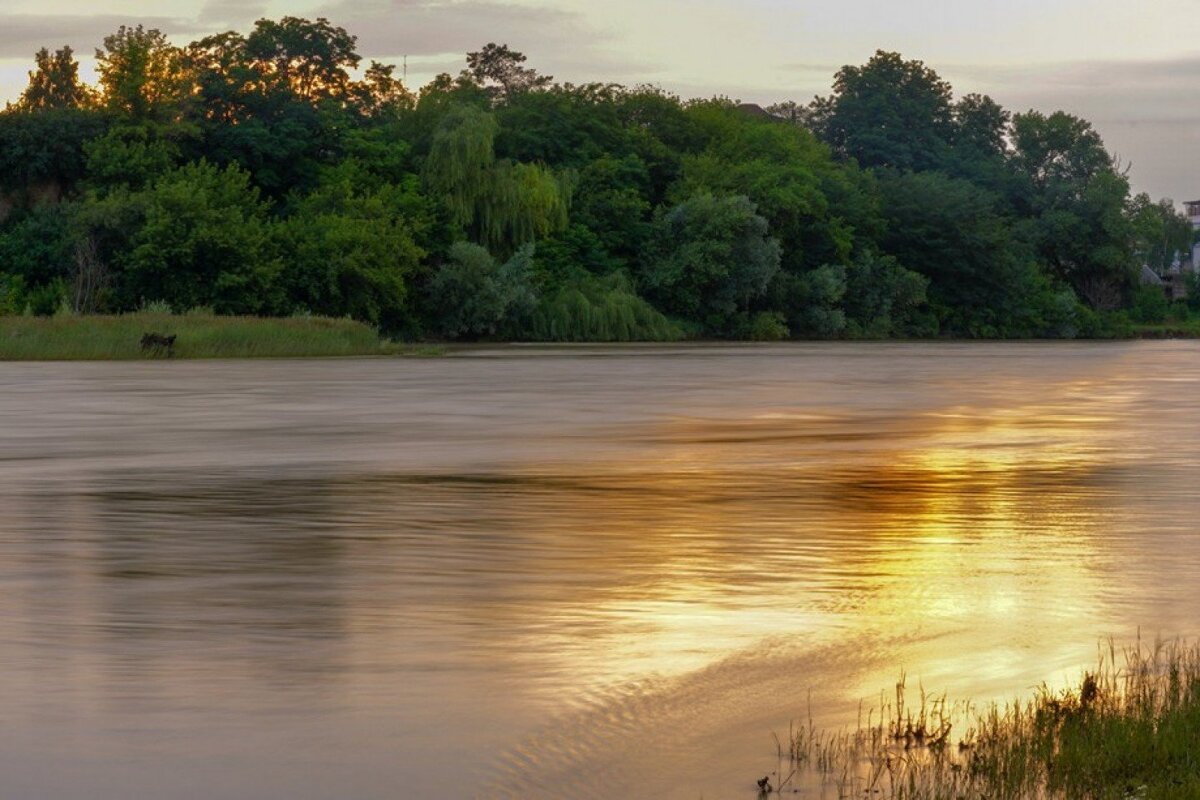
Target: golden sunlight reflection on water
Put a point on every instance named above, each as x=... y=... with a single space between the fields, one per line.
x=576 y=572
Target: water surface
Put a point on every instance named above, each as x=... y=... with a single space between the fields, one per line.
x=563 y=572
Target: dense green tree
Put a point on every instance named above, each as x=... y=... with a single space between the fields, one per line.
x=472 y=296
x=883 y=299
x=612 y=201
x=351 y=251
x=309 y=60
x=460 y=161
x=784 y=170
x=1163 y=236
x=711 y=259
x=141 y=74
x=203 y=240
x=887 y=113
x=982 y=278
x=267 y=172
x=54 y=83
x=42 y=155
x=1076 y=204
x=501 y=72
x=501 y=204
x=131 y=155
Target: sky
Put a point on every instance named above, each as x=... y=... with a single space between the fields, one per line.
x=1131 y=68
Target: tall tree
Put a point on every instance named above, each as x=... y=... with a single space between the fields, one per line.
x=500 y=70
x=887 y=113
x=1077 y=200
x=54 y=83
x=712 y=257
x=141 y=73
x=310 y=59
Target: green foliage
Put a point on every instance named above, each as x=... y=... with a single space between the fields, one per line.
x=264 y=172
x=130 y=156
x=41 y=154
x=306 y=59
x=460 y=161
x=141 y=73
x=711 y=258
x=521 y=203
x=499 y=70
x=1150 y=305
x=204 y=239
x=981 y=277
x=1162 y=234
x=502 y=204
x=350 y=251
x=54 y=83
x=35 y=245
x=591 y=309
x=768 y=326
x=785 y=171
x=883 y=299
x=611 y=201
x=471 y=296
x=818 y=300
x=888 y=113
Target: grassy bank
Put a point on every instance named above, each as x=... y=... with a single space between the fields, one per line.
x=1130 y=730
x=1183 y=329
x=64 y=337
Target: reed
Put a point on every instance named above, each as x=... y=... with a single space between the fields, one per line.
x=1130 y=729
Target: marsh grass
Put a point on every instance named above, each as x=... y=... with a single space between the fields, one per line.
x=1130 y=729
x=199 y=335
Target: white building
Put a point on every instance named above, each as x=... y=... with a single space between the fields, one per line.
x=1193 y=212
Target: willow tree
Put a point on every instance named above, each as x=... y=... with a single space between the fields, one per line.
x=499 y=204
x=460 y=161
x=522 y=203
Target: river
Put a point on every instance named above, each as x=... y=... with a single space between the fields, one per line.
x=564 y=572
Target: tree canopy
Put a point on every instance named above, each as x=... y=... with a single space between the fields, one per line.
x=274 y=171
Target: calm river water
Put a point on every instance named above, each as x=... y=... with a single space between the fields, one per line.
x=571 y=572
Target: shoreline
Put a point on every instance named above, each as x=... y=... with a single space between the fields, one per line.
x=206 y=336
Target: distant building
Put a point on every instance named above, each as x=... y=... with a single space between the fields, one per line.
x=1193 y=212
x=1174 y=279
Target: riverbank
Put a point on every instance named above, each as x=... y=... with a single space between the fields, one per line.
x=1129 y=730
x=1189 y=329
x=120 y=338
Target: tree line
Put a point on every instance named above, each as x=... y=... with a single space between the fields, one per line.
x=273 y=173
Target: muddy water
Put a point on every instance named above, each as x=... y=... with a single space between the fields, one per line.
x=575 y=572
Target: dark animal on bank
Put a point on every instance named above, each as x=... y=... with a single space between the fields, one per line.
x=158 y=343
x=764 y=787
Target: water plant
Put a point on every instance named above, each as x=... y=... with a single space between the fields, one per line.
x=1128 y=729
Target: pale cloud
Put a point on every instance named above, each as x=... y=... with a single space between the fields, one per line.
x=232 y=13
x=25 y=34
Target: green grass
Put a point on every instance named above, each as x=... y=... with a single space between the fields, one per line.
x=1130 y=730
x=1181 y=329
x=93 y=338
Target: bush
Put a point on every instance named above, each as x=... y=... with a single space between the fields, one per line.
x=768 y=326
x=471 y=296
x=1150 y=305
x=600 y=310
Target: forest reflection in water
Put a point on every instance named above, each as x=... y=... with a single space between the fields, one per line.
x=592 y=573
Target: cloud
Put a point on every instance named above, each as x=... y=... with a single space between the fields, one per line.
x=1150 y=90
x=232 y=13
x=558 y=42
x=21 y=35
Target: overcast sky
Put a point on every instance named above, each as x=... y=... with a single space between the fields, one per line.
x=1131 y=68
